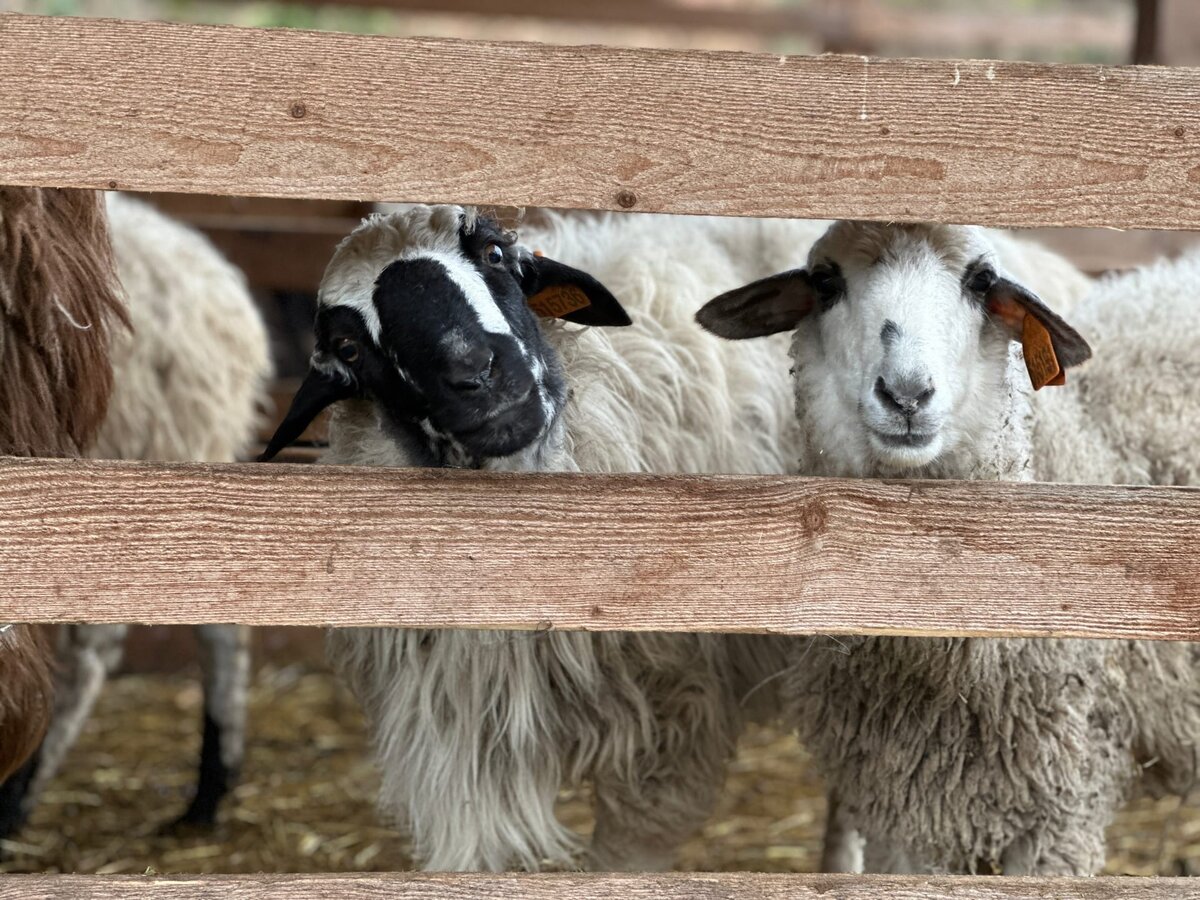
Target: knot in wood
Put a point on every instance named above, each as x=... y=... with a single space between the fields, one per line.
x=813 y=518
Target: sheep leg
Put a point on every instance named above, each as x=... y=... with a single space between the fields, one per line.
x=87 y=654
x=225 y=661
x=842 y=850
x=13 y=810
x=1074 y=846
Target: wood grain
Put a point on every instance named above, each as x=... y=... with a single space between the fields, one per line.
x=153 y=106
x=315 y=545
x=587 y=887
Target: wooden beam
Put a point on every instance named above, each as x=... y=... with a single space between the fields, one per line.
x=154 y=106
x=751 y=886
x=739 y=17
x=276 y=253
x=1100 y=250
x=835 y=24
x=314 y=545
x=1146 y=33
x=1178 y=33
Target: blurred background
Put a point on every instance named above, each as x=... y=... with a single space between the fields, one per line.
x=305 y=802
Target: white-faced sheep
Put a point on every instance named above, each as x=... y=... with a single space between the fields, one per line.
x=187 y=380
x=957 y=755
x=426 y=335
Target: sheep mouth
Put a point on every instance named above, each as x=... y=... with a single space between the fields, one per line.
x=505 y=430
x=909 y=440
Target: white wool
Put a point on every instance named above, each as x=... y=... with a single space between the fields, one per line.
x=1131 y=415
x=190 y=377
x=476 y=731
x=961 y=754
x=189 y=386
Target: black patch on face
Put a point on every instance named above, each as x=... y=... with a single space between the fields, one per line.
x=889 y=333
x=436 y=369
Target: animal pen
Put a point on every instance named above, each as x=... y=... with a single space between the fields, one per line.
x=220 y=110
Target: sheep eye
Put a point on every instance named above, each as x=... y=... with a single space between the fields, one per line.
x=981 y=282
x=347 y=350
x=493 y=254
x=828 y=284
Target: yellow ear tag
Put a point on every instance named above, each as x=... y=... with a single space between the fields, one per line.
x=558 y=301
x=1040 y=358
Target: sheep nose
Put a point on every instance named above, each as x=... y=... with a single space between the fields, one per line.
x=472 y=372
x=903 y=395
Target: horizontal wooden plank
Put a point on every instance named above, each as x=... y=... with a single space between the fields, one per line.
x=200 y=207
x=1098 y=250
x=758 y=18
x=857 y=24
x=154 y=106
x=588 y=887
x=314 y=545
x=276 y=253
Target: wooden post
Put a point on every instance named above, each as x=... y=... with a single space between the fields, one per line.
x=1146 y=34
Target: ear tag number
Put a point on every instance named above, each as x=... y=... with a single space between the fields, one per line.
x=558 y=300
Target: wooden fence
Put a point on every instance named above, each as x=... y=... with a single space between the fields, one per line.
x=221 y=110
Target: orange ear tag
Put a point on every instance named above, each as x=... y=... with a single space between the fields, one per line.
x=1040 y=359
x=558 y=301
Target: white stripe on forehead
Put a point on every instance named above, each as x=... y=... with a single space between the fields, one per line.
x=468 y=280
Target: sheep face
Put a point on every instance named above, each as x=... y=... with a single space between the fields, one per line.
x=427 y=314
x=902 y=342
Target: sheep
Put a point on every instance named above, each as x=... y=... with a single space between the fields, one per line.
x=1132 y=408
x=55 y=379
x=187 y=381
x=25 y=661
x=953 y=755
x=427 y=346
x=1130 y=417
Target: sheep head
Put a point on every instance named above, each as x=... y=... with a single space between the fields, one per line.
x=904 y=343
x=429 y=313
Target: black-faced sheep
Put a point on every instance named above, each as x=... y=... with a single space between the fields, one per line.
x=426 y=336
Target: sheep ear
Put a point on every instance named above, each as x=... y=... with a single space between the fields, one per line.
x=557 y=291
x=760 y=308
x=1051 y=346
x=318 y=391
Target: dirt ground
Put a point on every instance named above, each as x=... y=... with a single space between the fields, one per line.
x=305 y=802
